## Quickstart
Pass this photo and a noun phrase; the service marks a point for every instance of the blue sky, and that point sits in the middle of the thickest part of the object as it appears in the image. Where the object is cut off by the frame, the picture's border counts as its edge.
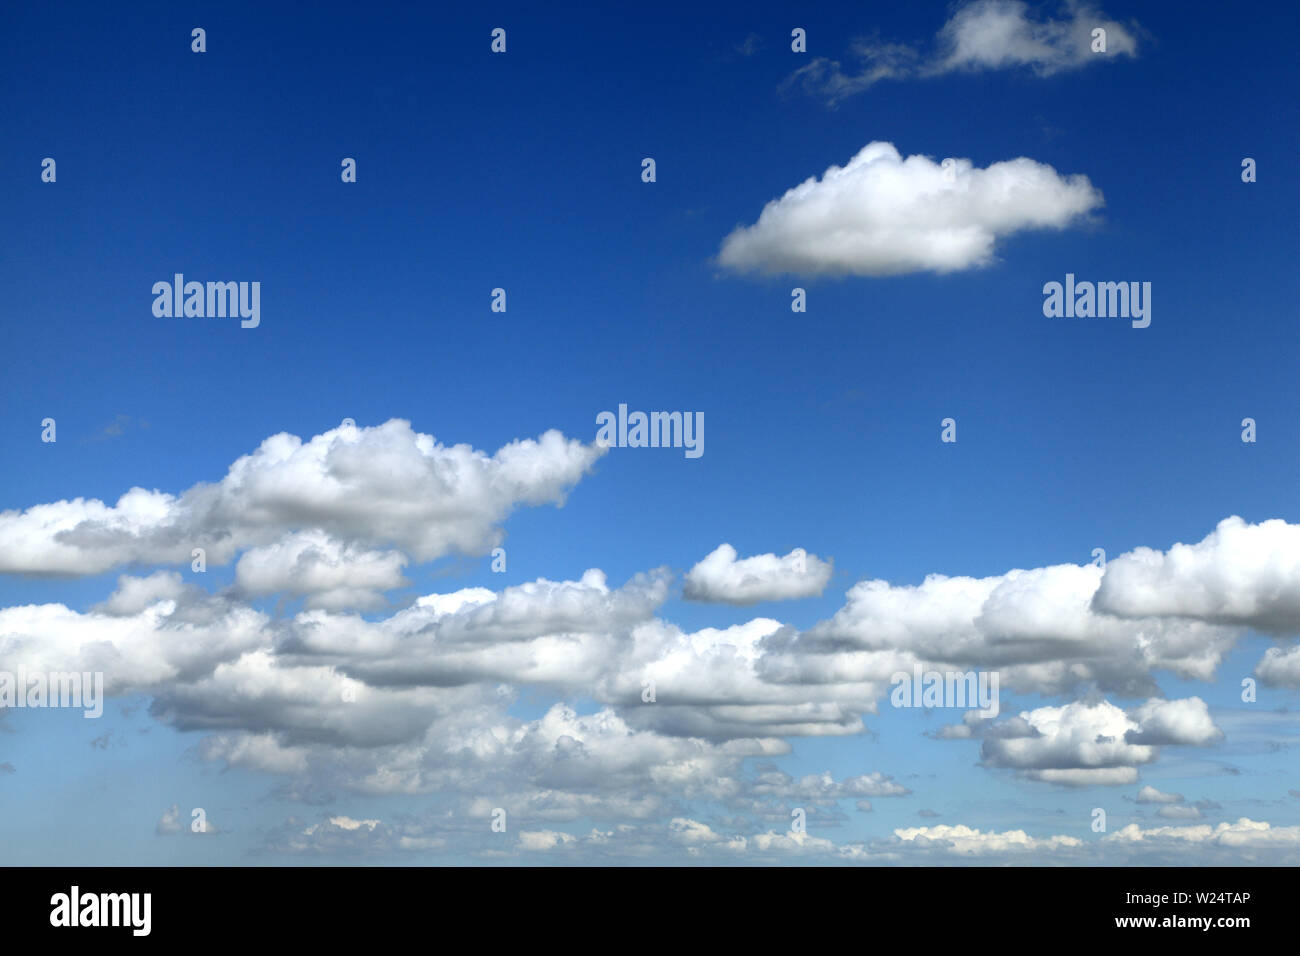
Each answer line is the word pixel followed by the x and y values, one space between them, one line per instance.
pixel 522 171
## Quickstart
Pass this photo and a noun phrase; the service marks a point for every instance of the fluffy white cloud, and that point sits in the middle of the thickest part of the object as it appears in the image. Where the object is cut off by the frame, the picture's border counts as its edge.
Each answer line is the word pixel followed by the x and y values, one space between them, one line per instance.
pixel 418 701
pixel 1185 722
pixel 333 574
pixel 1038 628
pixel 386 485
pixel 967 841
pixel 1240 574
pixel 882 215
pixel 1095 744
pixel 1245 833
pixel 152 632
pixel 724 578
pixel 1280 667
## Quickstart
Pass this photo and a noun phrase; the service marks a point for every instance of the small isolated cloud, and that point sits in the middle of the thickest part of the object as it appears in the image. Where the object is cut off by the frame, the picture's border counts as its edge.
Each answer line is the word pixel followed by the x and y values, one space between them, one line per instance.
pixel 116 428
pixel 172 823
pixel 983 35
pixel 1179 812
pixel 883 215
pixel 721 577
pixel 1150 794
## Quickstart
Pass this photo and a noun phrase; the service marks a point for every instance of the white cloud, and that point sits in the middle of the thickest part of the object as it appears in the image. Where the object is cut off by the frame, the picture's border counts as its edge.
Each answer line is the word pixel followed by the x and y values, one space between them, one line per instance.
pixel 1001 34
pixel 1239 574
pixel 967 841
pixel 386 485
pixel 1245 833
pixel 419 701
pixel 1095 744
pixel 170 823
pixel 883 215
pixel 722 578
pixel 535 840
pixel 1280 667
pixel 982 35
pixel 1149 794
pixel 151 632
pixel 1185 721
pixel 1038 628
pixel 333 574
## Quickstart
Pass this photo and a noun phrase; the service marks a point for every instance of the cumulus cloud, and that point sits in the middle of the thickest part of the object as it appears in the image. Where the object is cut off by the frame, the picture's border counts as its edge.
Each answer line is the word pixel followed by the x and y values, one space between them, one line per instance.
pixel 332 574
pixel 150 633
pixel 1090 744
pixel 1245 833
pixel 1280 667
pixel 1037 627
pixel 1240 574
pixel 981 35
pixel 420 700
pixel 723 578
pixel 385 485
pixel 882 214
pixel 1184 722
pixel 967 841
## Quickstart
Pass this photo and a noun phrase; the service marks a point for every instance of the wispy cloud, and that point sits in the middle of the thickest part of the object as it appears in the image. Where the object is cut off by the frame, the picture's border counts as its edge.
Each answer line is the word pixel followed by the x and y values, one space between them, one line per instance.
pixel 982 35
